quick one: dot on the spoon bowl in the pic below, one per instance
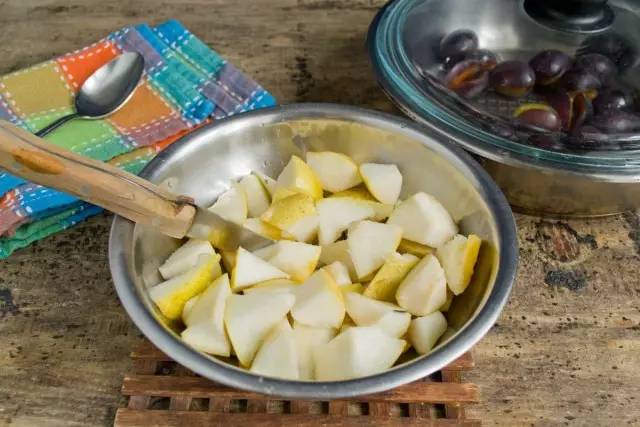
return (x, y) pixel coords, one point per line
(106, 91)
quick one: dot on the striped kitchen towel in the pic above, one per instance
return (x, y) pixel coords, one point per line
(185, 85)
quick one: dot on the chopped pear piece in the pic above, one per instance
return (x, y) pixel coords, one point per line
(383, 181)
(297, 175)
(447, 334)
(185, 257)
(424, 332)
(336, 214)
(205, 320)
(370, 243)
(258, 199)
(305, 230)
(366, 311)
(424, 220)
(447, 304)
(250, 318)
(424, 290)
(268, 183)
(307, 340)
(357, 352)
(336, 171)
(277, 357)
(262, 228)
(385, 283)
(210, 305)
(319, 302)
(296, 258)
(266, 252)
(348, 323)
(458, 258)
(250, 269)
(228, 259)
(276, 285)
(187, 309)
(282, 193)
(353, 287)
(205, 338)
(413, 248)
(172, 295)
(232, 205)
(339, 271)
(382, 210)
(295, 214)
(339, 251)
(394, 323)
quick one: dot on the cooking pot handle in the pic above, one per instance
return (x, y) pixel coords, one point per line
(29, 157)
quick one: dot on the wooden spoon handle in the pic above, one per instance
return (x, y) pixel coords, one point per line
(31, 158)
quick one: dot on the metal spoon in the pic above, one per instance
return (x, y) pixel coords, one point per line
(106, 90)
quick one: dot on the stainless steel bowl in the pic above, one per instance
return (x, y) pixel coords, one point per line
(203, 164)
(549, 178)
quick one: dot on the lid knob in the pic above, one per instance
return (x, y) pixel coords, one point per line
(576, 16)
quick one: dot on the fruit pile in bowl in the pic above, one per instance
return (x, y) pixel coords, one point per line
(354, 279)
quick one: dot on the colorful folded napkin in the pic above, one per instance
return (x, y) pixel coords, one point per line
(185, 85)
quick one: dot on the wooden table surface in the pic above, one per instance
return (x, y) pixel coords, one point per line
(566, 350)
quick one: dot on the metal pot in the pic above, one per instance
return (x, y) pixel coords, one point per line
(538, 172)
(202, 165)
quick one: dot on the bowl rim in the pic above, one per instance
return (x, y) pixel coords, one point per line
(122, 234)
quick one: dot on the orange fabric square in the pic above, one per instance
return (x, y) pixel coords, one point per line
(146, 108)
(78, 66)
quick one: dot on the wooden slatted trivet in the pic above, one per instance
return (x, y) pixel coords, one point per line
(165, 394)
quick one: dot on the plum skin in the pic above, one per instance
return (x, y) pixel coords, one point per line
(512, 78)
(549, 66)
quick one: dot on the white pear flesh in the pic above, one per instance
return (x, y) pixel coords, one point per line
(319, 302)
(232, 205)
(383, 181)
(425, 331)
(370, 244)
(277, 356)
(250, 318)
(298, 176)
(297, 259)
(172, 295)
(336, 214)
(394, 323)
(249, 270)
(205, 338)
(185, 257)
(365, 311)
(336, 171)
(339, 252)
(340, 273)
(210, 305)
(458, 258)
(424, 220)
(266, 252)
(267, 182)
(258, 199)
(307, 340)
(424, 290)
(357, 352)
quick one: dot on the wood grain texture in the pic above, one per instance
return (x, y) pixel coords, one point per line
(31, 158)
(126, 418)
(433, 392)
(566, 350)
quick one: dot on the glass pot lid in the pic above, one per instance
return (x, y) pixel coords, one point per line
(526, 80)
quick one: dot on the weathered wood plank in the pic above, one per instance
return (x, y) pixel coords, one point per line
(127, 418)
(432, 392)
